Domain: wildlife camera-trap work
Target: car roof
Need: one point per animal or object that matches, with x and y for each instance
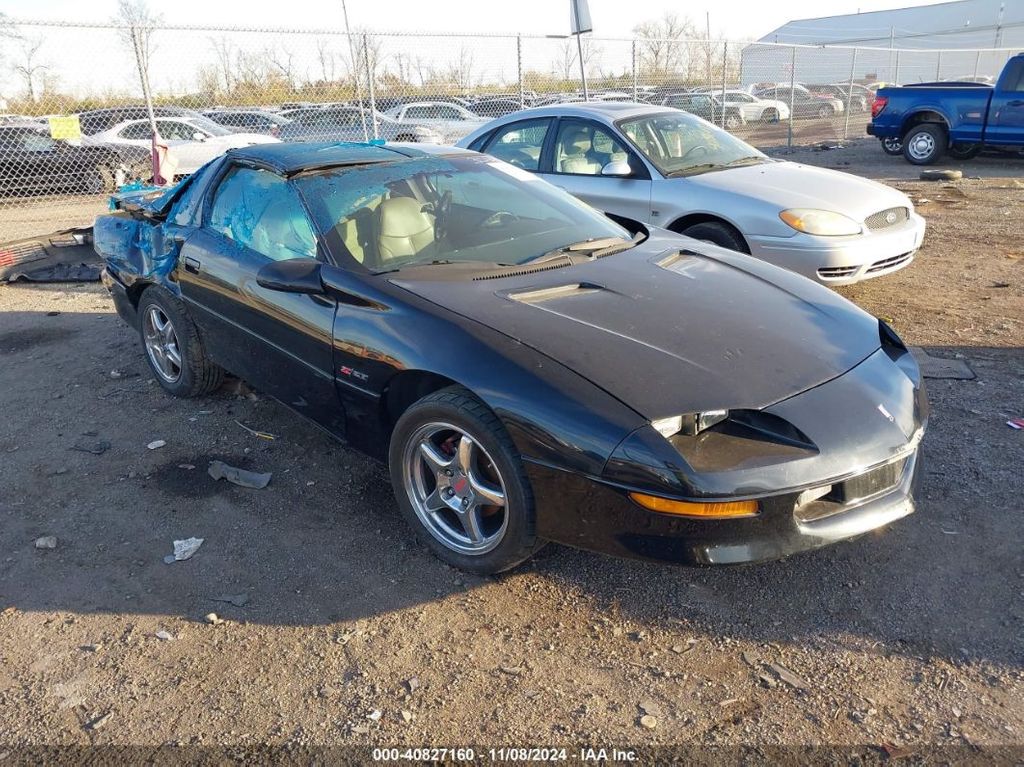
(288, 158)
(611, 110)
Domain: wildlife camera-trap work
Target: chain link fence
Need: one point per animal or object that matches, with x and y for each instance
(74, 123)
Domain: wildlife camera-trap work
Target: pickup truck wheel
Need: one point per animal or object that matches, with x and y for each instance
(964, 151)
(892, 147)
(924, 144)
(460, 483)
(173, 347)
(717, 233)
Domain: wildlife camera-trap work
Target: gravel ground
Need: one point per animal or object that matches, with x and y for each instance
(343, 631)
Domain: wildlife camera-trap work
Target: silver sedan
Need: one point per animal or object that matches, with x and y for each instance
(673, 170)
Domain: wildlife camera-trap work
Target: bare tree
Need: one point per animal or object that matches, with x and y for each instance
(661, 49)
(224, 50)
(281, 62)
(327, 59)
(460, 71)
(136, 31)
(29, 66)
(565, 64)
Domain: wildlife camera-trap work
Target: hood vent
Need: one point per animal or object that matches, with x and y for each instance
(673, 258)
(558, 291)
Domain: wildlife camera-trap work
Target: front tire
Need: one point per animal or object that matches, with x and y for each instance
(732, 122)
(717, 233)
(460, 483)
(825, 111)
(174, 350)
(924, 144)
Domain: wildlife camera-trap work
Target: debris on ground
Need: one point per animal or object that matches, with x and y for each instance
(64, 256)
(256, 433)
(649, 722)
(156, 444)
(95, 448)
(46, 542)
(1016, 423)
(240, 477)
(942, 175)
(166, 636)
(238, 600)
(406, 715)
(99, 721)
(213, 619)
(412, 684)
(511, 670)
(940, 367)
(186, 466)
(375, 715)
(650, 707)
(787, 676)
(184, 550)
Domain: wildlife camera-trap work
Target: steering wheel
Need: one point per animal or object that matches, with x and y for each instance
(442, 209)
(498, 219)
(693, 149)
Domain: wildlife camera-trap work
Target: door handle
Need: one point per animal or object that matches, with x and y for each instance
(192, 265)
(1015, 103)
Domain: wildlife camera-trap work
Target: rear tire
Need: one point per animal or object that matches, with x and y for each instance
(924, 144)
(717, 233)
(770, 116)
(428, 485)
(825, 111)
(174, 350)
(732, 122)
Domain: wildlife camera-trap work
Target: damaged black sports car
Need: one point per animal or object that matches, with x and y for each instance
(530, 370)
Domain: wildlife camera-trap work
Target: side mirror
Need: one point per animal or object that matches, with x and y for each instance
(296, 275)
(197, 136)
(617, 168)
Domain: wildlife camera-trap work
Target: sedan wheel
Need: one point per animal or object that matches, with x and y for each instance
(732, 122)
(162, 344)
(455, 488)
(460, 483)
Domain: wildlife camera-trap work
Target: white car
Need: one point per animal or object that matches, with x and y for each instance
(754, 109)
(192, 141)
(450, 120)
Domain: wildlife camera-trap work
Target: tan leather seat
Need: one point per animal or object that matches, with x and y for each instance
(403, 228)
(572, 153)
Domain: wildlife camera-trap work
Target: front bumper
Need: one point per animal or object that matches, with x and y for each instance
(589, 514)
(843, 260)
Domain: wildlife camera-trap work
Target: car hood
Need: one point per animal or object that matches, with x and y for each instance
(673, 325)
(793, 185)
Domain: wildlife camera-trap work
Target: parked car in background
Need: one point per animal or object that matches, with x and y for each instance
(675, 171)
(95, 121)
(805, 104)
(192, 141)
(349, 124)
(707, 107)
(752, 108)
(490, 108)
(249, 121)
(450, 120)
(960, 118)
(860, 98)
(33, 163)
(618, 389)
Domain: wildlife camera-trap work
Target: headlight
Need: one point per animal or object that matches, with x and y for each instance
(689, 424)
(820, 222)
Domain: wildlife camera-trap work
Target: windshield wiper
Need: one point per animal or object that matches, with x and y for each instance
(691, 169)
(588, 248)
(749, 158)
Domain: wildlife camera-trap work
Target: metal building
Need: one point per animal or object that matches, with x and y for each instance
(943, 41)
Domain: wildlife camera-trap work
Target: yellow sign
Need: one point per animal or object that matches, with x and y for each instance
(65, 127)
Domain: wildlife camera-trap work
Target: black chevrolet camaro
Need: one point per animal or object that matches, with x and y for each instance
(530, 370)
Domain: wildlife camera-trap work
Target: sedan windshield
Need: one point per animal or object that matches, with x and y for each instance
(680, 144)
(452, 210)
(208, 125)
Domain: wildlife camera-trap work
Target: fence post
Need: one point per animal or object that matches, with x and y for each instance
(896, 79)
(635, 82)
(849, 95)
(370, 78)
(519, 68)
(938, 65)
(977, 64)
(792, 94)
(725, 60)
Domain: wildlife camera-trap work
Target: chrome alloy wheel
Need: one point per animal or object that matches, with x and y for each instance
(921, 146)
(455, 488)
(161, 343)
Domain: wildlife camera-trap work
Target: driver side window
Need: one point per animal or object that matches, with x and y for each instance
(584, 148)
(258, 209)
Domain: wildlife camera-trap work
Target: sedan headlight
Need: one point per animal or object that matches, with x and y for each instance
(689, 424)
(820, 222)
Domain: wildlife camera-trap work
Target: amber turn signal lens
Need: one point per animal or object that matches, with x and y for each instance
(726, 510)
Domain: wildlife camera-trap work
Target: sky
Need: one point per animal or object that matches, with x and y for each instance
(611, 18)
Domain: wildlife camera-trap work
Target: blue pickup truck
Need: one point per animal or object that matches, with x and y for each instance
(960, 118)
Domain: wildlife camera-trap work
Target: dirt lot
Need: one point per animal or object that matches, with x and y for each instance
(348, 633)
